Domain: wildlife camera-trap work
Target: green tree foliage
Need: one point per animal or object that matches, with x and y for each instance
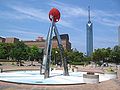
(86, 60)
(34, 54)
(101, 55)
(55, 56)
(75, 57)
(19, 52)
(107, 55)
(72, 57)
(5, 50)
(115, 55)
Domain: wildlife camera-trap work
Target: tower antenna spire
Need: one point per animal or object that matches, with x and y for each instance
(88, 13)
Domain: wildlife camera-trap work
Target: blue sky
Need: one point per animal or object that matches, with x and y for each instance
(28, 19)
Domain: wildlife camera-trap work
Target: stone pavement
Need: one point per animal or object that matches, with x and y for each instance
(105, 85)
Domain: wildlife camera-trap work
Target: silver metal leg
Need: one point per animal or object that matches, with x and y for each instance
(47, 52)
(63, 59)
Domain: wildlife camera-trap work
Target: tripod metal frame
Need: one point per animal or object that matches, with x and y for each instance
(48, 49)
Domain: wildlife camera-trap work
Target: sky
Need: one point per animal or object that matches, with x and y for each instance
(28, 19)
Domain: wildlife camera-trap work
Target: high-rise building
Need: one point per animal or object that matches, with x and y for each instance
(65, 42)
(119, 35)
(89, 36)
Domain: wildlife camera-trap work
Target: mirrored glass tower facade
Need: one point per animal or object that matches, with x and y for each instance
(89, 36)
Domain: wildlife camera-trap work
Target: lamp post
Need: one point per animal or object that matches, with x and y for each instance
(56, 52)
(55, 60)
(114, 59)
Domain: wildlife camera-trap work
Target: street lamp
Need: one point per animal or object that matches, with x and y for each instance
(114, 59)
(56, 57)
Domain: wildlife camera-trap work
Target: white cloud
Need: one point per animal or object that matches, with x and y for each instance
(106, 18)
(30, 13)
(24, 31)
(71, 12)
(35, 14)
(104, 43)
(14, 15)
(107, 21)
(101, 13)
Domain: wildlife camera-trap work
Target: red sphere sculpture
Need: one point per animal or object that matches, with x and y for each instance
(55, 14)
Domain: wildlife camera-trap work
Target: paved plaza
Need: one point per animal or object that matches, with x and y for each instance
(105, 85)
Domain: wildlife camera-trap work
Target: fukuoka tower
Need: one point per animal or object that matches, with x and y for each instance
(89, 36)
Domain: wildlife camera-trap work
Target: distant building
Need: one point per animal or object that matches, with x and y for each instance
(40, 42)
(65, 42)
(89, 35)
(119, 35)
(11, 40)
(40, 39)
(2, 39)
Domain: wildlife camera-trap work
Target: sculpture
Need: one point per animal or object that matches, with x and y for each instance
(54, 16)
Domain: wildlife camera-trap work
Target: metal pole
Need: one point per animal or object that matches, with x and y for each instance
(47, 53)
(63, 59)
(48, 49)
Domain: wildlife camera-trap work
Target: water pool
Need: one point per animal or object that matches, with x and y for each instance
(56, 77)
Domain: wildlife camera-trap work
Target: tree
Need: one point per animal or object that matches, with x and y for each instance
(101, 55)
(19, 52)
(115, 55)
(9, 47)
(55, 56)
(86, 60)
(34, 54)
(5, 50)
(75, 57)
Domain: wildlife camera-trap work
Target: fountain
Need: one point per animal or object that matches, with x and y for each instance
(48, 77)
(54, 16)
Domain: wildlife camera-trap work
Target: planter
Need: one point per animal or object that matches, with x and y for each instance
(111, 75)
(88, 78)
